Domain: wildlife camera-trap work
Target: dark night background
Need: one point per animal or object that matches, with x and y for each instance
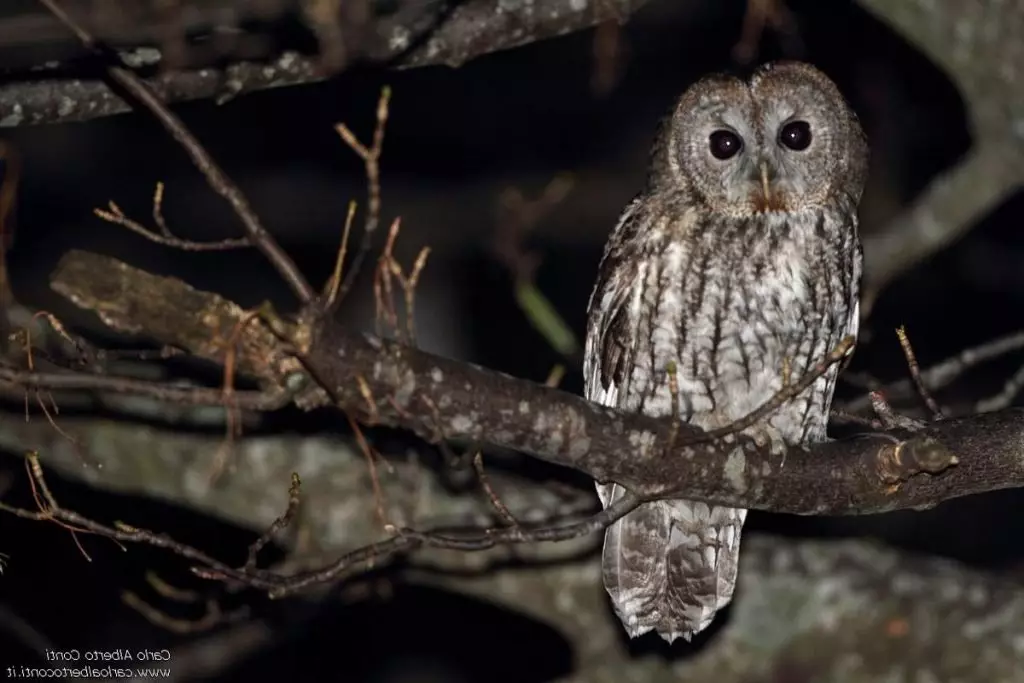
(456, 138)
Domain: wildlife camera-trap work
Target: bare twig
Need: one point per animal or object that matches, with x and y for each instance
(233, 421)
(842, 416)
(982, 64)
(371, 165)
(608, 55)
(388, 267)
(915, 374)
(278, 585)
(282, 522)
(371, 461)
(333, 285)
(485, 482)
(215, 176)
(114, 214)
(555, 376)
(250, 400)
(467, 541)
(889, 418)
(21, 630)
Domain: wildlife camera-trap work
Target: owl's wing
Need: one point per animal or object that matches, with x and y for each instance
(853, 324)
(611, 327)
(633, 563)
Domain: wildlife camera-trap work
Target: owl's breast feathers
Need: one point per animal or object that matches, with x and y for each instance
(741, 307)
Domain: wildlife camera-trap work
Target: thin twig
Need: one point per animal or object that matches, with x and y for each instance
(371, 165)
(889, 418)
(382, 290)
(555, 376)
(233, 419)
(278, 585)
(52, 511)
(114, 214)
(333, 285)
(842, 416)
(371, 461)
(388, 267)
(250, 400)
(282, 522)
(485, 482)
(467, 541)
(215, 176)
(915, 374)
(166, 590)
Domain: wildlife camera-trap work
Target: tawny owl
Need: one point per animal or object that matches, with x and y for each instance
(740, 263)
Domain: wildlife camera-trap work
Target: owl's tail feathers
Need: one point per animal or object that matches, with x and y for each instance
(669, 566)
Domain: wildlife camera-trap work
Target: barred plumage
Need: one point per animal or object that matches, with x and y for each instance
(741, 264)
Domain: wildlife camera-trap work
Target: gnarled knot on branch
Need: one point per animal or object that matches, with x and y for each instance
(899, 461)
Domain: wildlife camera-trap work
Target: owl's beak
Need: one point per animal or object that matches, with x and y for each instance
(766, 177)
(763, 176)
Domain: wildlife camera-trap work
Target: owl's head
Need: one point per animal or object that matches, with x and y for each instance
(782, 140)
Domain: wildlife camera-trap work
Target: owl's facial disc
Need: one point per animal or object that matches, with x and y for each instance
(784, 140)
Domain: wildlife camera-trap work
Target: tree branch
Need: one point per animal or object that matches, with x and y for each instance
(382, 382)
(417, 34)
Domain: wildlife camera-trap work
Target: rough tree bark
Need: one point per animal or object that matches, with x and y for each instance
(417, 34)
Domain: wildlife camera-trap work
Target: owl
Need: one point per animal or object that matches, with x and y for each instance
(739, 264)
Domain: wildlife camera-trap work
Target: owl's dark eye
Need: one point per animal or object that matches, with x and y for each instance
(725, 144)
(796, 135)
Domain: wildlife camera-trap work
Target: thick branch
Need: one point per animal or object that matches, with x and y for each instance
(418, 34)
(382, 382)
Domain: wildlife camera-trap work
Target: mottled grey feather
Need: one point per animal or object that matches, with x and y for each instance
(736, 287)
